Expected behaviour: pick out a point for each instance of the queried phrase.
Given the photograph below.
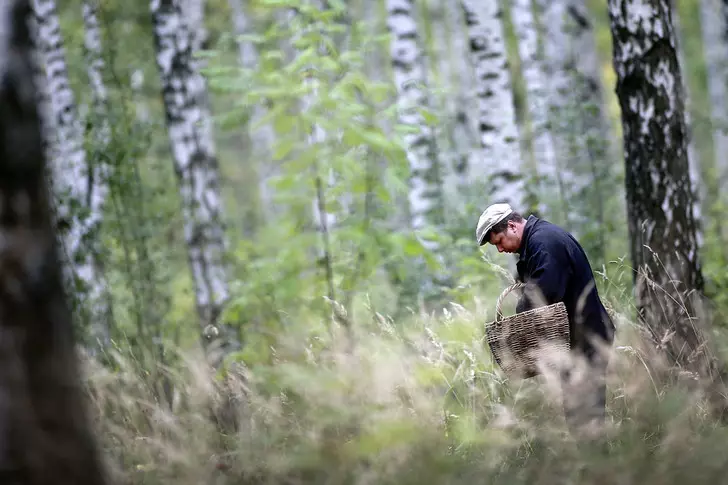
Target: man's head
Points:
(500, 226)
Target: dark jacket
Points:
(554, 263)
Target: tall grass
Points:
(417, 402)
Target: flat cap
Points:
(489, 218)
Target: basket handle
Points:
(499, 302)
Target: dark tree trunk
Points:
(659, 195)
(45, 436)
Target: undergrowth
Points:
(416, 402)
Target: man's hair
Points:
(502, 225)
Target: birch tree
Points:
(45, 429)
(193, 11)
(500, 165)
(580, 129)
(95, 64)
(659, 195)
(263, 136)
(560, 106)
(592, 128)
(537, 94)
(714, 27)
(79, 189)
(196, 166)
(425, 185)
(426, 199)
(694, 162)
(324, 220)
(458, 77)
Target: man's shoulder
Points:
(548, 233)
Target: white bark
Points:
(317, 138)
(714, 19)
(193, 13)
(247, 53)
(75, 188)
(323, 219)
(580, 129)
(694, 161)
(425, 194)
(94, 69)
(440, 71)
(190, 135)
(136, 82)
(459, 77)
(592, 129)
(659, 195)
(501, 165)
(462, 71)
(560, 74)
(262, 137)
(537, 92)
(100, 330)
(583, 55)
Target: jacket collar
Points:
(527, 229)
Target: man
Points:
(554, 268)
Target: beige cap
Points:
(489, 218)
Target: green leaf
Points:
(233, 119)
(378, 141)
(429, 116)
(283, 147)
(252, 38)
(284, 123)
(412, 247)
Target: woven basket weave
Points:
(520, 341)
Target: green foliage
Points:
(277, 255)
(416, 402)
(402, 398)
(322, 86)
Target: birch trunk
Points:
(580, 127)
(560, 106)
(136, 83)
(100, 331)
(45, 430)
(537, 93)
(263, 137)
(592, 128)
(694, 161)
(193, 12)
(323, 219)
(79, 192)
(501, 165)
(425, 193)
(196, 166)
(461, 88)
(438, 62)
(659, 195)
(95, 66)
(247, 54)
(714, 19)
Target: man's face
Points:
(507, 241)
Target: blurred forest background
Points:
(260, 185)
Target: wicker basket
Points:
(520, 341)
